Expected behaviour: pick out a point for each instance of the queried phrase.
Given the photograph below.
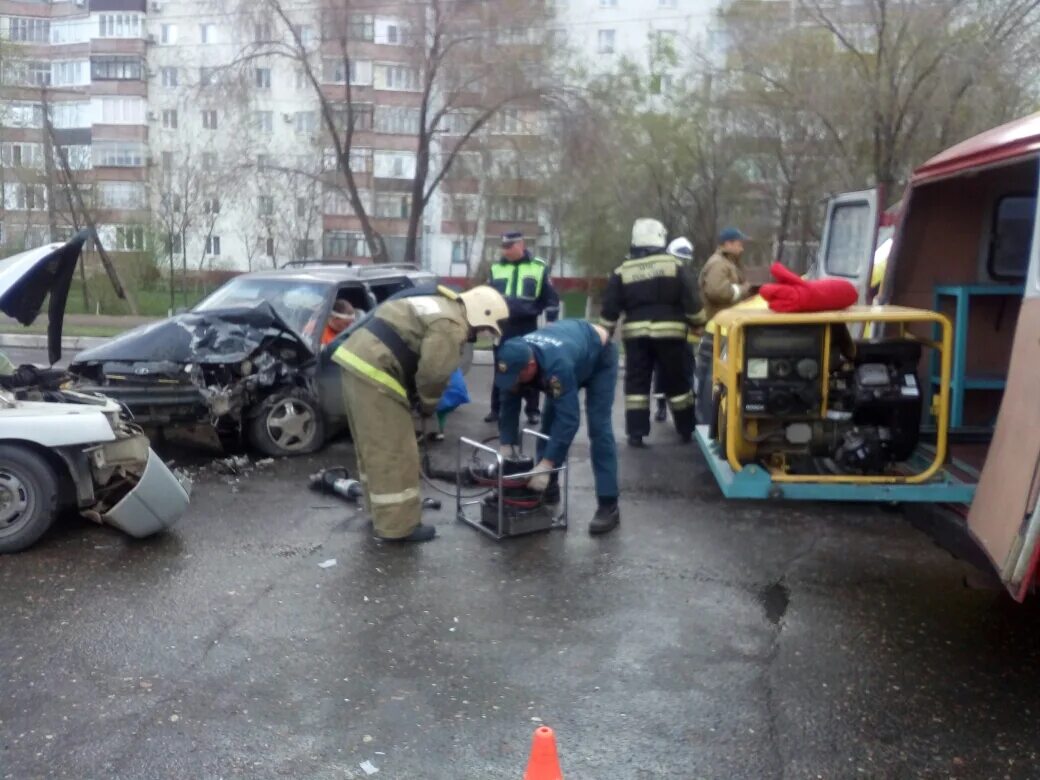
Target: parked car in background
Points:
(62, 449)
(247, 361)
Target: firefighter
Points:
(403, 356)
(722, 284)
(655, 293)
(561, 359)
(524, 281)
(681, 249)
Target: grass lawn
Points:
(40, 329)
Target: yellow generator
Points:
(804, 410)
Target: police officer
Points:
(654, 292)
(524, 281)
(560, 360)
(722, 284)
(399, 357)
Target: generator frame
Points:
(559, 521)
(930, 479)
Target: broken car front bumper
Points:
(155, 503)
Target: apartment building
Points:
(73, 132)
(189, 131)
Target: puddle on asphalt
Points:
(774, 599)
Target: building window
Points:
(213, 245)
(360, 114)
(209, 119)
(121, 110)
(19, 196)
(263, 121)
(390, 31)
(361, 27)
(168, 34)
(334, 71)
(171, 202)
(304, 248)
(27, 73)
(116, 69)
(29, 29)
(338, 204)
(21, 154)
(262, 32)
(605, 42)
(402, 120)
(118, 154)
(19, 114)
(304, 34)
(391, 205)
(172, 244)
(301, 208)
(211, 206)
(169, 76)
(169, 119)
(119, 26)
(208, 77)
(265, 206)
(394, 165)
(306, 122)
(76, 156)
(263, 78)
(514, 209)
(121, 195)
(263, 161)
(343, 243)
(510, 121)
(209, 161)
(265, 246)
(168, 163)
(208, 33)
(66, 115)
(72, 73)
(129, 238)
(395, 77)
(301, 80)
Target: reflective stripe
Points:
(653, 267)
(680, 402)
(514, 274)
(382, 499)
(637, 402)
(348, 359)
(657, 330)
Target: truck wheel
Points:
(287, 424)
(28, 497)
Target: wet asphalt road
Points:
(705, 639)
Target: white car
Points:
(61, 449)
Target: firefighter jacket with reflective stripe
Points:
(656, 295)
(409, 347)
(528, 291)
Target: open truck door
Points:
(1005, 515)
(849, 235)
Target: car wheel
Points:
(288, 424)
(28, 497)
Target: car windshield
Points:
(298, 303)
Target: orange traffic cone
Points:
(543, 763)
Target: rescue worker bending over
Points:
(403, 356)
(654, 292)
(561, 359)
(722, 284)
(524, 281)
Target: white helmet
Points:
(681, 248)
(649, 233)
(485, 306)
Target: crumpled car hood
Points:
(219, 336)
(27, 278)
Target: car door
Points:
(850, 231)
(1005, 516)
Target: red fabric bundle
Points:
(792, 293)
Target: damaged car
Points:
(63, 449)
(246, 363)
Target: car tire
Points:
(287, 424)
(29, 497)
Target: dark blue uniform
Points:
(571, 357)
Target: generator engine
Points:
(860, 418)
